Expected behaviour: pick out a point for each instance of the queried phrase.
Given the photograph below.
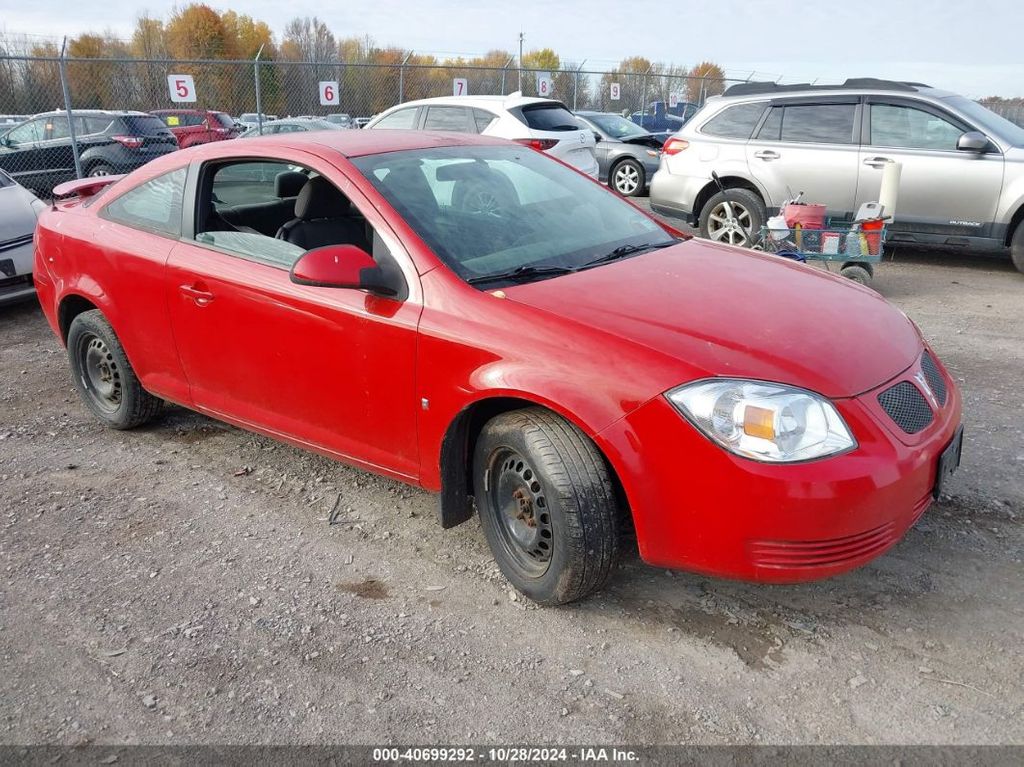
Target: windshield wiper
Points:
(521, 274)
(627, 250)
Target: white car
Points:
(541, 124)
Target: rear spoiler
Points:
(85, 187)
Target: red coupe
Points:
(471, 316)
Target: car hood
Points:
(715, 310)
(17, 218)
(650, 141)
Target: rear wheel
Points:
(101, 170)
(627, 178)
(734, 217)
(546, 504)
(104, 377)
(1017, 247)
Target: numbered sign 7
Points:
(182, 88)
(460, 86)
(329, 95)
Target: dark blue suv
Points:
(37, 153)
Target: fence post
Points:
(504, 70)
(576, 84)
(61, 67)
(401, 77)
(259, 98)
(643, 99)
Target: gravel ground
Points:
(180, 583)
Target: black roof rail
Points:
(853, 83)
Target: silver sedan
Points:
(627, 155)
(18, 209)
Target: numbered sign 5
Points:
(616, 91)
(460, 86)
(182, 88)
(544, 83)
(329, 95)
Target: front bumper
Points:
(698, 507)
(16, 269)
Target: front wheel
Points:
(1017, 247)
(101, 170)
(104, 377)
(627, 178)
(547, 505)
(734, 217)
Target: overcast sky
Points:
(976, 48)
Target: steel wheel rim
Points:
(99, 172)
(522, 515)
(100, 374)
(729, 222)
(627, 179)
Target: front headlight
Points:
(764, 421)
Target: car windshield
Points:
(224, 119)
(487, 211)
(616, 126)
(988, 120)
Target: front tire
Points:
(1017, 247)
(103, 376)
(743, 227)
(547, 505)
(101, 170)
(627, 177)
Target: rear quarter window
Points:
(736, 122)
(154, 205)
(144, 125)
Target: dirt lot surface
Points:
(180, 583)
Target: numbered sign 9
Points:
(182, 88)
(329, 95)
(544, 83)
(616, 91)
(460, 86)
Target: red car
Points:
(473, 317)
(198, 126)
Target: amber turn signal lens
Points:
(759, 422)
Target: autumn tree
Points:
(198, 32)
(708, 79)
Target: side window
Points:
(906, 127)
(154, 205)
(819, 123)
(96, 124)
(771, 129)
(271, 212)
(482, 118)
(57, 128)
(403, 119)
(27, 133)
(734, 122)
(446, 119)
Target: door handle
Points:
(200, 296)
(877, 162)
(767, 154)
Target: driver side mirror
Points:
(973, 141)
(341, 266)
(5, 141)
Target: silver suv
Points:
(962, 178)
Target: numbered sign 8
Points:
(544, 83)
(182, 88)
(460, 86)
(329, 95)
(616, 91)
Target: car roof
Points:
(101, 112)
(352, 143)
(852, 86)
(510, 101)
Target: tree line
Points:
(105, 71)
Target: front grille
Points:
(906, 405)
(823, 553)
(934, 378)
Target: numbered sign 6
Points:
(544, 83)
(460, 86)
(616, 91)
(182, 88)
(329, 95)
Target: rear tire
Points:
(103, 376)
(101, 170)
(547, 505)
(749, 215)
(627, 177)
(1017, 247)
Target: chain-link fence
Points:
(47, 134)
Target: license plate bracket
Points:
(949, 460)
